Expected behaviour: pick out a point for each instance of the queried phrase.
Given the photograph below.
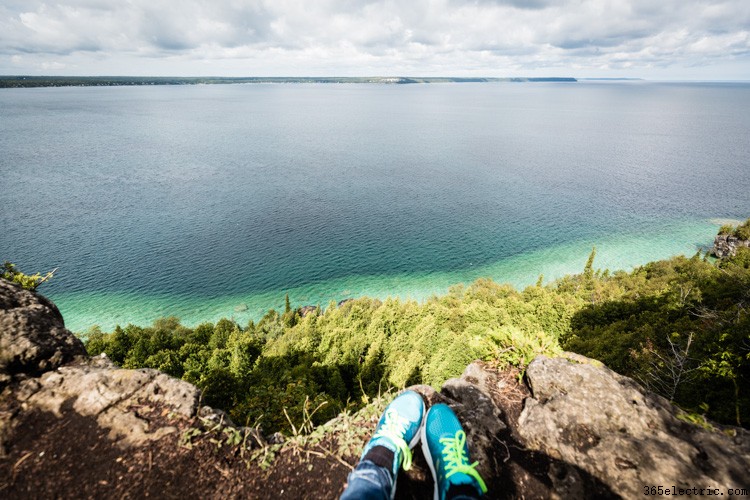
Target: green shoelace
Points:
(454, 455)
(394, 428)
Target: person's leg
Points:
(444, 447)
(389, 448)
(369, 481)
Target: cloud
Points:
(419, 37)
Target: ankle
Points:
(380, 456)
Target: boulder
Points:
(113, 396)
(488, 403)
(582, 413)
(305, 310)
(576, 429)
(33, 337)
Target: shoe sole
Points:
(418, 434)
(428, 456)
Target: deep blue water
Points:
(198, 200)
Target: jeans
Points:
(371, 482)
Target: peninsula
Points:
(22, 81)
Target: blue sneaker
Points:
(398, 429)
(444, 447)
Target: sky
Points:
(651, 39)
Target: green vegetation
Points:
(680, 326)
(10, 272)
(343, 357)
(742, 231)
(349, 429)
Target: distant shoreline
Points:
(27, 81)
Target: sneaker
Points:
(398, 429)
(444, 447)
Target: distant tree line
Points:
(24, 81)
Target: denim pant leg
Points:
(370, 482)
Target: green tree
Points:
(588, 270)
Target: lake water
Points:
(215, 201)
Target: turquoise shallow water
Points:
(618, 252)
(214, 201)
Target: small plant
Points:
(307, 426)
(186, 440)
(234, 436)
(10, 272)
(266, 455)
(696, 419)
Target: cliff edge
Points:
(78, 427)
(730, 239)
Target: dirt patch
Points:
(72, 457)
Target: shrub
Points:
(10, 272)
(743, 230)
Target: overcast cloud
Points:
(694, 39)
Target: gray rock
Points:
(276, 438)
(33, 337)
(480, 418)
(305, 310)
(212, 417)
(111, 395)
(611, 428)
(726, 245)
(469, 397)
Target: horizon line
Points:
(383, 77)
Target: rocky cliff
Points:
(73, 426)
(33, 338)
(726, 245)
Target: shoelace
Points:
(394, 428)
(454, 455)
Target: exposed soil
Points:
(72, 457)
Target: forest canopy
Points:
(679, 326)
